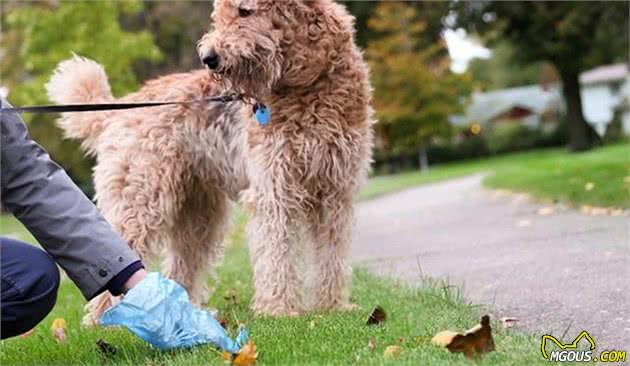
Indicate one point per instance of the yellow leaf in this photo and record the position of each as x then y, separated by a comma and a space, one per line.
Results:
589, 186
444, 338
392, 352
246, 356
473, 342
58, 329
58, 323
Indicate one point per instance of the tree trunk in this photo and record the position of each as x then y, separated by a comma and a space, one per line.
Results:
581, 134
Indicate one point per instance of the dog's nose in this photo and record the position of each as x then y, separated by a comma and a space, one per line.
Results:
211, 60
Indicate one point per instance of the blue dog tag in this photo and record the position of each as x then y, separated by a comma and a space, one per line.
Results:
262, 113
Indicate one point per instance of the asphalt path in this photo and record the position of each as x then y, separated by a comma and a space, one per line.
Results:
558, 272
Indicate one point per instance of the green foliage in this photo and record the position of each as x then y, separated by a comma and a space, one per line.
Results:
40, 35
503, 69
415, 91
573, 36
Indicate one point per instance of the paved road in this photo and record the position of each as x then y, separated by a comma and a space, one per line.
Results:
552, 272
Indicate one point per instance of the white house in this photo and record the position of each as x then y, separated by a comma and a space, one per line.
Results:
604, 90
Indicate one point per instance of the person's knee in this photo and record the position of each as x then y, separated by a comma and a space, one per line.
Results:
30, 280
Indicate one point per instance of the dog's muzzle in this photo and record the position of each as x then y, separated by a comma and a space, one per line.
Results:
211, 60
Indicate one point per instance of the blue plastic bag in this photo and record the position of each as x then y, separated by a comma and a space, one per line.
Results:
158, 310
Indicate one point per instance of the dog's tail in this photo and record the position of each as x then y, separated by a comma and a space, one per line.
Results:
76, 81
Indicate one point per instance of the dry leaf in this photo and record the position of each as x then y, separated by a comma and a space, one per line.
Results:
586, 209
599, 211
392, 352
616, 212
546, 211
247, 355
106, 348
58, 329
443, 338
227, 357
372, 344
508, 322
377, 316
475, 341
589, 186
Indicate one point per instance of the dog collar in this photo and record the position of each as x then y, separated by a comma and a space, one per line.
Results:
262, 113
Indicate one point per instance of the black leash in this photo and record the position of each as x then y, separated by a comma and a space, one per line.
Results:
59, 108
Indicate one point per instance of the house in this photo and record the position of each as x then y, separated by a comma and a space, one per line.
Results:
532, 106
604, 90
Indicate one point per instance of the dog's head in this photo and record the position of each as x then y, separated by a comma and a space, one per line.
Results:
257, 45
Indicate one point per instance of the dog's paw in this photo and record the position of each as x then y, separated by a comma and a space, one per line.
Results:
90, 320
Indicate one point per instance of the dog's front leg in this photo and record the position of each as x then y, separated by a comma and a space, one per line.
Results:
332, 237
277, 282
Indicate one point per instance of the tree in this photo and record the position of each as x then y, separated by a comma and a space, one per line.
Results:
573, 36
37, 36
504, 69
415, 91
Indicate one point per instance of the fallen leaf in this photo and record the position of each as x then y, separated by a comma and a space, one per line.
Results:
586, 209
106, 348
372, 344
443, 338
616, 212
247, 355
227, 357
377, 316
475, 341
546, 211
392, 352
589, 186
58, 329
224, 323
599, 211
26, 334
508, 322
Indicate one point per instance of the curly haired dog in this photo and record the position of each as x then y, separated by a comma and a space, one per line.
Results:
164, 176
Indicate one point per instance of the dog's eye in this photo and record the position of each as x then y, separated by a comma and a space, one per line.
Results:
245, 12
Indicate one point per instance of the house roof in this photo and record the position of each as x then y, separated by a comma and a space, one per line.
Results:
488, 105
604, 74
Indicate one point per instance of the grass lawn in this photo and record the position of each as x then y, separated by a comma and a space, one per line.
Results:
552, 174
415, 314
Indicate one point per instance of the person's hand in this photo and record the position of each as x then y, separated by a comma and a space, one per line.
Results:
157, 310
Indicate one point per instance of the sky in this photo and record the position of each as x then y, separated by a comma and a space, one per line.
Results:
462, 49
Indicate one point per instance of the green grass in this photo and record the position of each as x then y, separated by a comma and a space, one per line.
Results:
414, 315
552, 174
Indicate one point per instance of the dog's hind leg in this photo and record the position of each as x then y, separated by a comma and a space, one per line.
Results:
140, 202
196, 239
332, 238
